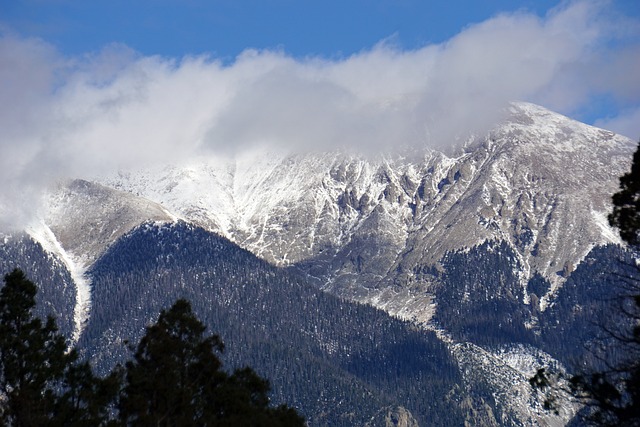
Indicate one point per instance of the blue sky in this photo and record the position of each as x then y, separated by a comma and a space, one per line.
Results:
225, 28
329, 29
89, 86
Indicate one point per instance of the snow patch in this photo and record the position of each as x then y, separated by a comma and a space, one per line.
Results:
600, 219
41, 233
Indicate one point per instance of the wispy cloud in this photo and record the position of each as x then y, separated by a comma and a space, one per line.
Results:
627, 123
80, 116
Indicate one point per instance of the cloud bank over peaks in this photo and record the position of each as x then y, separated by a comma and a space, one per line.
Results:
84, 116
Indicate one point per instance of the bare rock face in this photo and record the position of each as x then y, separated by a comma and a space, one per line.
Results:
362, 226
366, 227
400, 417
396, 416
87, 217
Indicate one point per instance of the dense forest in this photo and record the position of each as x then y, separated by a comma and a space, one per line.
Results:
335, 361
323, 355
57, 295
481, 300
174, 378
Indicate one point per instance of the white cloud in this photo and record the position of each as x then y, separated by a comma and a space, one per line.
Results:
627, 124
85, 115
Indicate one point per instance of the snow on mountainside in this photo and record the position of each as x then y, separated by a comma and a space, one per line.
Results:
86, 217
81, 220
507, 375
540, 181
368, 227
42, 234
362, 225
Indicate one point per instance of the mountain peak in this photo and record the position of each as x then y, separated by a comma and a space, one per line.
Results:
361, 225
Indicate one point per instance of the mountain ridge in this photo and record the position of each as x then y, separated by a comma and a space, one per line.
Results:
360, 227
501, 223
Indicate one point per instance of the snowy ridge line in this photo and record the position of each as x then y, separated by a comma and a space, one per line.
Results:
42, 234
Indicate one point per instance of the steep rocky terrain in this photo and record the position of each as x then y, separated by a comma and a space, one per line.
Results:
362, 225
493, 245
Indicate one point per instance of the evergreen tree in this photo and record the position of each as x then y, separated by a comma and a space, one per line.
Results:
32, 356
175, 378
626, 204
87, 400
41, 380
615, 393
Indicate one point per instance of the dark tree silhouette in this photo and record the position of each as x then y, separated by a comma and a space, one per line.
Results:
626, 205
41, 381
32, 356
175, 379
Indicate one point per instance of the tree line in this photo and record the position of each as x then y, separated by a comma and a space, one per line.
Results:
175, 377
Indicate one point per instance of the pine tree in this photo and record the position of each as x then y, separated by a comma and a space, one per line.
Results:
32, 356
614, 393
626, 204
86, 400
41, 380
175, 378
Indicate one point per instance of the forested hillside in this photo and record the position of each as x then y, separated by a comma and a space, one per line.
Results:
57, 296
481, 300
338, 362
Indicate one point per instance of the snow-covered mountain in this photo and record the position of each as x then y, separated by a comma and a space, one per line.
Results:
361, 225
380, 229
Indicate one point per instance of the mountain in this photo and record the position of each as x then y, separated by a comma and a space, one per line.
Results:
363, 225
323, 355
498, 251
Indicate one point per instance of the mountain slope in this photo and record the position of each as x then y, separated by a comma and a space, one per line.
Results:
493, 245
363, 225
57, 295
340, 363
